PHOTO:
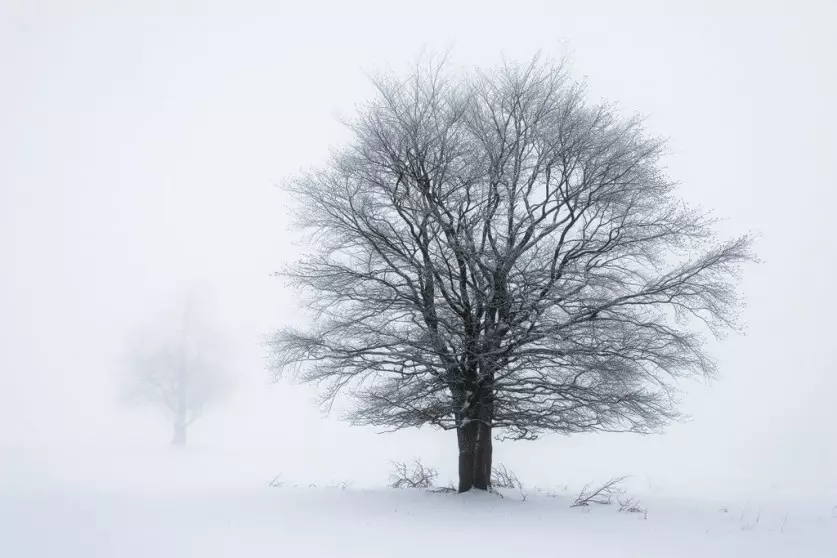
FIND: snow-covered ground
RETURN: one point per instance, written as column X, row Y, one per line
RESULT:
column 192, row 502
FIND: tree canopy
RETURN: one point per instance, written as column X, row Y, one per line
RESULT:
column 491, row 252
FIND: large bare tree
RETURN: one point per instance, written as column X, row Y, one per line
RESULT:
column 491, row 252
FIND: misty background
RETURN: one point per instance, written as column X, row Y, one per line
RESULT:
column 140, row 148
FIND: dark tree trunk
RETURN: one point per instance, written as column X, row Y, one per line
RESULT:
column 475, row 446
column 485, row 449
column 467, row 439
column 482, row 458
column 475, row 456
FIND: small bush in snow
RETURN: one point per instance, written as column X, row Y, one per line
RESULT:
column 630, row 505
column 501, row 477
column 412, row 476
column 603, row 494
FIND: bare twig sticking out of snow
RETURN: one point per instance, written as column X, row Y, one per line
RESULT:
column 450, row 488
column 275, row 482
column 603, row 494
column 419, row 476
column 751, row 526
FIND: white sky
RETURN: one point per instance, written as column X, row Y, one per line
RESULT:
column 139, row 142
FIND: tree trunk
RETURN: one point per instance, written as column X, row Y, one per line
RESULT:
column 482, row 458
column 475, row 456
column 475, row 444
column 484, row 449
column 467, row 439
column 179, row 438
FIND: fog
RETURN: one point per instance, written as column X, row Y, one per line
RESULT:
column 141, row 147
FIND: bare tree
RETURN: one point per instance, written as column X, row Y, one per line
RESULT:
column 180, row 370
column 492, row 252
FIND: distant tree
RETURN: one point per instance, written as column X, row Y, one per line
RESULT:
column 178, row 368
column 494, row 253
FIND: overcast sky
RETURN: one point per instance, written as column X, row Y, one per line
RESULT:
column 140, row 143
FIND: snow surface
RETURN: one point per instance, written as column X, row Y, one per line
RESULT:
column 196, row 503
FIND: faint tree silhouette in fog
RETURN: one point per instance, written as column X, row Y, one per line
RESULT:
column 493, row 255
column 178, row 367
